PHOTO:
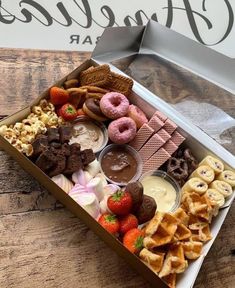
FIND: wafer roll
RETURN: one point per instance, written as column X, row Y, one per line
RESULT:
column 157, row 160
column 214, row 163
column 149, row 148
column 142, row 136
column 155, row 123
column 170, row 147
column 215, row 196
column 223, row 187
column 169, row 126
column 177, row 138
column 206, row 173
column 228, row 177
column 195, row 184
column 164, row 135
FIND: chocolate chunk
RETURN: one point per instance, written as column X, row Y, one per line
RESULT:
column 65, row 133
column 87, row 156
column 136, row 191
column 73, row 164
column 53, row 135
column 147, row 210
column 46, row 160
column 39, row 145
column 59, row 167
column 75, row 148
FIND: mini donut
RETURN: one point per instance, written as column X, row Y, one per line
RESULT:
column 137, row 115
column 114, row 105
column 91, row 108
column 122, row 130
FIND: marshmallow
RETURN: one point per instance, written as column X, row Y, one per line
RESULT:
column 88, row 202
column 63, row 182
column 111, row 189
column 93, row 168
column 103, row 179
column 77, row 189
column 81, row 177
column 104, row 206
column 96, row 186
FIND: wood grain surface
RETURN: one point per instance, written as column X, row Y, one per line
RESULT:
column 41, row 243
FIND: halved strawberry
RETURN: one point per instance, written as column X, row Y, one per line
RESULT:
column 58, row 96
column 133, row 240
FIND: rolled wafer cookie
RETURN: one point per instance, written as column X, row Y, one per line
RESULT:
column 195, row 184
column 214, row 163
column 215, row 196
column 206, row 173
column 223, row 187
column 227, row 176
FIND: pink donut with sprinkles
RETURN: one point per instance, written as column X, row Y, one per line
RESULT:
column 114, row 105
column 122, row 130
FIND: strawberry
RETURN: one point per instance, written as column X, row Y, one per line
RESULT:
column 68, row 112
column 120, row 203
column 58, row 96
column 127, row 223
column 133, row 240
column 109, row 222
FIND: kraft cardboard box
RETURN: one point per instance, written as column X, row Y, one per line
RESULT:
column 130, row 45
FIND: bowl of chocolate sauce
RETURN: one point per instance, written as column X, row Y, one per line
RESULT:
column 120, row 164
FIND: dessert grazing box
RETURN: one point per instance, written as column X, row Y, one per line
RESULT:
column 160, row 138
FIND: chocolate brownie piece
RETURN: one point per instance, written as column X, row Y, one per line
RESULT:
column 65, row 133
column 62, row 150
column 39, row 145
column 73, row 164
column 87, row 156
column 53, row 135
column 59, row 167
column 55, row 145
column 46, row 160
column 75, row 148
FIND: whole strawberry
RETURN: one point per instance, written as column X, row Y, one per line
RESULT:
column 127, row 223
column 133, row 240
column 120, row 203
column 58, row 96
column 109, row 222
column 68, row 112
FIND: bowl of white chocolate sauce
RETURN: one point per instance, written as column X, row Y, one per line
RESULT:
column 90, row 134
column 163, row 188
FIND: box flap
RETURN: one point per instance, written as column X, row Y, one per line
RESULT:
column 119, row 42
column 191, row 77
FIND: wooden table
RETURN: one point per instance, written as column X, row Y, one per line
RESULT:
column 41, row 243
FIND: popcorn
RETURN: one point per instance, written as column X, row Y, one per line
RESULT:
column 22, row 134
column 3, row 129
column 37, row 110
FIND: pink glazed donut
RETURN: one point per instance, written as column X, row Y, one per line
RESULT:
column 122, row 130
column 114, row 105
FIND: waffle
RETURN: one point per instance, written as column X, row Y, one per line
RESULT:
column 160, row 230
column 182, row 232
column 153, row 260
column 170, row 280
column 182, row 216
column 192, row 249
column 175, row 261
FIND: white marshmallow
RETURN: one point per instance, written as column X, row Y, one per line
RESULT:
column 93, row 168
column 63, row 182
